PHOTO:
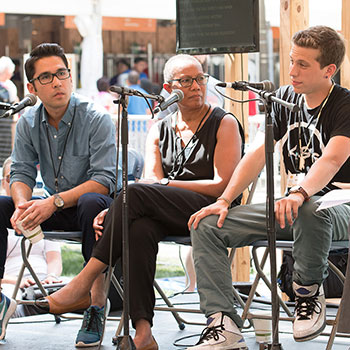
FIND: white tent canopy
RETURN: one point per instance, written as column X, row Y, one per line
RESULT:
column 158, row 9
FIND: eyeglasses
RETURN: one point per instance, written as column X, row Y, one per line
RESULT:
column 201, row 79
column 47, row 77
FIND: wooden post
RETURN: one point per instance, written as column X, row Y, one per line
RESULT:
column 294, row 17
column 236, row 68
column 345, row 69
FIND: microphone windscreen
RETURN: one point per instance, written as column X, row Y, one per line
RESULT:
column 32, row 99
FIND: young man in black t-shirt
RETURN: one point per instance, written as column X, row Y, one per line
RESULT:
column 316, row 147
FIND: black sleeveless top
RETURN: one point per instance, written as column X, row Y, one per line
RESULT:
column 196, row 161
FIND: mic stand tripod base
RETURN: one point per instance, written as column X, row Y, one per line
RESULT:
column 124, row 342
column 268, row 346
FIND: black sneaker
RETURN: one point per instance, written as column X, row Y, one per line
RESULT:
column 310, row 312
column 92, row 329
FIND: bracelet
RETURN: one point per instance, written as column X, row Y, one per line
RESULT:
column 224, row 199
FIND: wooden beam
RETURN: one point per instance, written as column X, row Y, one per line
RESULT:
column 236, row 68
column 345, row 69
column 294, row 17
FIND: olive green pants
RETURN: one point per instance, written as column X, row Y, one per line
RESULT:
column 312, row 233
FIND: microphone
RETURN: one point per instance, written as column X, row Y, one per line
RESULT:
column 176, row 96
column 123, row 90
column 28, row 100
column 265, row 85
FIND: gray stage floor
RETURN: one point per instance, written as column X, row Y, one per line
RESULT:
column 41, row 332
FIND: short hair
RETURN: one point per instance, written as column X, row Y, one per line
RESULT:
column 43, row 50
column 133, row 77
column 123, row 61
column 139, row 59
column 102, row 84
column 7, row 162
column 325, row 39
column 6, row 64
column 174, row 62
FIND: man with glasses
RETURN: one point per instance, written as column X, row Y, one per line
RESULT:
column 74, row 143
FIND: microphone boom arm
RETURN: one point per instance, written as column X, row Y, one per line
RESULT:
column 270, row 97
column 122, row 90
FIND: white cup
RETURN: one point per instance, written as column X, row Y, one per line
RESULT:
column 34, row 235
column 262, row 326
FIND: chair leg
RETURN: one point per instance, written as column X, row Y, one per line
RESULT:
column 21, row 272
column 180, row 321
column 260, row 274
column 27, row 264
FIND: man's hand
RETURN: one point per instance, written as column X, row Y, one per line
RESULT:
column 288, row 207
column 34, row 212
column 219, row 208
column 50, row 279
column 98, row 223
column 27, row 282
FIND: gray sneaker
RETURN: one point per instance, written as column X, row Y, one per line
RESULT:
column 221, row 333
column 92, row 329
column 310, row 312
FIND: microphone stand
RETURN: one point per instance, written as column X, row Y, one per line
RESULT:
column 125, row 342
column 268, row 98
column 6, row 107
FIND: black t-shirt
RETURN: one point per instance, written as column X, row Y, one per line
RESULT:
column 314, row 130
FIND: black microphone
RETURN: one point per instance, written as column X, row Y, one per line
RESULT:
column 265, row 85
column 124, row 90
column 176, row 96
column 28, row 100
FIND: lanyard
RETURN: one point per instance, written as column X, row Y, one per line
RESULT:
column 178, row 140
column 303, row 152
column 56, row 173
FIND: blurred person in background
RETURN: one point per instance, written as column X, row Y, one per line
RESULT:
column 122, row 67
column 104, row 97
column 137, row 105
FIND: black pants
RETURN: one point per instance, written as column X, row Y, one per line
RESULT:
column 155, row 211
column 77, row 218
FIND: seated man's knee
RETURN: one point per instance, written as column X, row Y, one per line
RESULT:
column 205, row 227
column 93, row 202
column 307, row 212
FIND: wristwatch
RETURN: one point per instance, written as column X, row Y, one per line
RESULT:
column 58, row 201
column 299, row 189
column 164, row 181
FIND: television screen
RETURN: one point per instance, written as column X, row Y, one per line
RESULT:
column 217, row 26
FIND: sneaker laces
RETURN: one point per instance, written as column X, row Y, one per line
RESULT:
column 92, row 321
column 211, row 332
column 306, row 306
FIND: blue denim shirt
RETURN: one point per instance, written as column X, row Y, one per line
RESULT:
column 90, row 152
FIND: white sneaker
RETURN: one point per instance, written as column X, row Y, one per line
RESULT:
column 310, row 312
column 221, row 333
